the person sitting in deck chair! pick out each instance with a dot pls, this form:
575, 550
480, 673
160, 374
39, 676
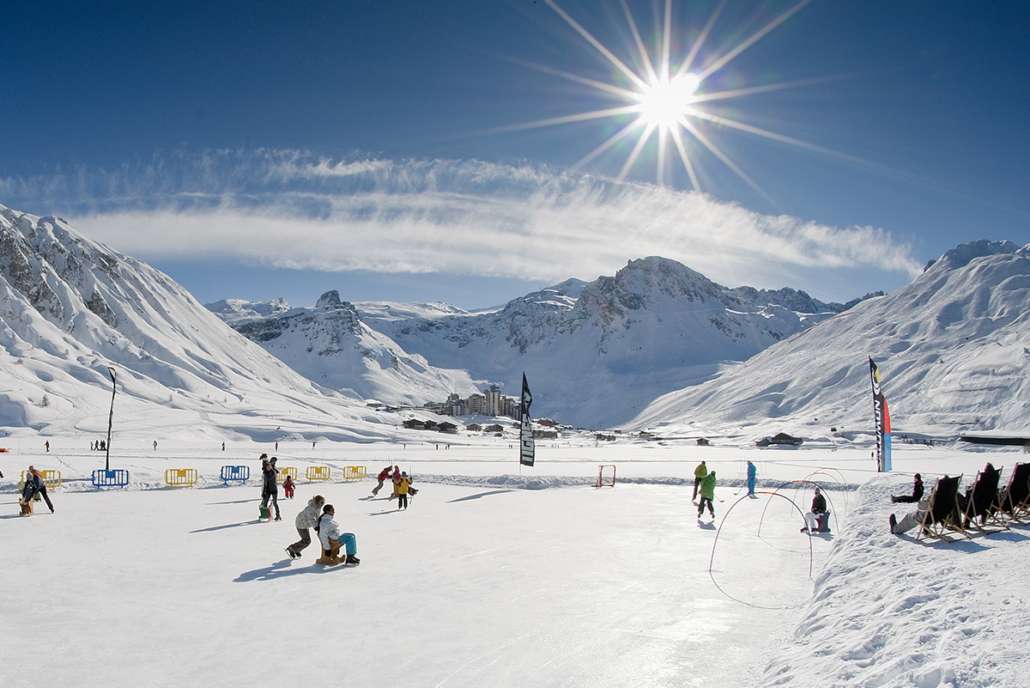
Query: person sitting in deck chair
818, 519
917, 492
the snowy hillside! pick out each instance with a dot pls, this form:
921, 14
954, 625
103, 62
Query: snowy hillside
330, 345
69, 308
597, 353
953, 348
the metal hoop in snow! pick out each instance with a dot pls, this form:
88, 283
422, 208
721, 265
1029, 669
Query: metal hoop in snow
715, 543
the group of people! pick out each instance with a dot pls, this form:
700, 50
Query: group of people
401, 485
816, 520
988, 476
321, 516
97, 445
34, 488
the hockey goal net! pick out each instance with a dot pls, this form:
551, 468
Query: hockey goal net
606, 475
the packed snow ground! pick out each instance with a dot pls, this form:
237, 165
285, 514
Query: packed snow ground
890, 611
468, 587
482, 583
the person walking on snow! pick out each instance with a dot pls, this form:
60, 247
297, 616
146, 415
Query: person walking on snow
288, 487
47, 446
403, 486
752, 475
269, 488
917, 492
383, 476
707, 495
331, 539
307, 518
700, 471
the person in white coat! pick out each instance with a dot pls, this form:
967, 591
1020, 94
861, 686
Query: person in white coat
306, 519
331, 540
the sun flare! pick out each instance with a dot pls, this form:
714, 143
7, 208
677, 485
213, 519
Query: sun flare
665, 99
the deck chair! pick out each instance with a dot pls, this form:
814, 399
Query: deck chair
1014, 500
981, 501
944, 513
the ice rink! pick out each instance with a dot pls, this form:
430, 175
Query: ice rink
469, 587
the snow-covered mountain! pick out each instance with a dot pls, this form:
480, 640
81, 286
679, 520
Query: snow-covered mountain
953, 349
597, 353
330, 345
70, 307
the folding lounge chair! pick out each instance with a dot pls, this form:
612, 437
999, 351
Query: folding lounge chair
982, 501
944, 513
1014, 500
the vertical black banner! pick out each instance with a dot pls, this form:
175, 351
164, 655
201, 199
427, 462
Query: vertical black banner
527, 448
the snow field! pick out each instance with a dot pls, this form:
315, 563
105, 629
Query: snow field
469, 587
889, 611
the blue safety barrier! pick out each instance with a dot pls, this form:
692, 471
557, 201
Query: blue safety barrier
116, 477
240, 474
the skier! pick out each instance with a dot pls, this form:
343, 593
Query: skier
331, 539
816, 519
707, 495
307, 518
752, 474
288, 487
917, 492
269, 489
403, 485
700, 471
383, 476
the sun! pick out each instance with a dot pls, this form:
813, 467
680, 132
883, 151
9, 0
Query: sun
666, 101
665, 98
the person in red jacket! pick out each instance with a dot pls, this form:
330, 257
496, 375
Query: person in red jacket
288, 487
383, 476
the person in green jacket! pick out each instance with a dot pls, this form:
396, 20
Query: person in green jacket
699, 474
707, 495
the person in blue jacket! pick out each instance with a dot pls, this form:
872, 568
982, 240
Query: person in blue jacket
752, 474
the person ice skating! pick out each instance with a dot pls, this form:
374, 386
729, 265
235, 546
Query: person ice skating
383, 476
815, 519
223, 446
917, 492
288, 487
752, 475
403, 486
396, 479
307, 518
269, 488
700, 471
707, 495
155, 445
34, 485
46, 445
331, 539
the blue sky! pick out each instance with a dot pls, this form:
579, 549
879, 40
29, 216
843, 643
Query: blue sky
119, 115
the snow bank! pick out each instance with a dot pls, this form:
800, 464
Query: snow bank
890, 611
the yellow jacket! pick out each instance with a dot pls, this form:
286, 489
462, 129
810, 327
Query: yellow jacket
701, 471
402, 486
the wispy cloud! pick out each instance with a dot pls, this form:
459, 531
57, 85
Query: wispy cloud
298, 210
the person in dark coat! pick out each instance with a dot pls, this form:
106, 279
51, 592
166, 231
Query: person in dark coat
269, 487
815, 520
917, 492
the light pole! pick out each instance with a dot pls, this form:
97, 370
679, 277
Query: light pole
110, 419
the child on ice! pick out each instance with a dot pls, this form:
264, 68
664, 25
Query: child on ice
331, 539
288, 486
403, 486
707, 495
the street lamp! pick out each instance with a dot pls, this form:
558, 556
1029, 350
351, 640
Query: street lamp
110, 419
